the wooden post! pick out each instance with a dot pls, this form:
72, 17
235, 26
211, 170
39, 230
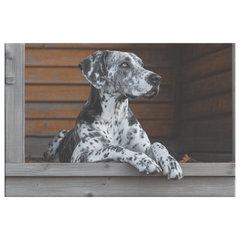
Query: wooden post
15, 102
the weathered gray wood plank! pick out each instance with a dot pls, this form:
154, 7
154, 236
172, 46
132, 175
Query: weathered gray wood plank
119, 187
15, 101
111, 169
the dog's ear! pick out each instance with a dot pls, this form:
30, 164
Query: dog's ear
94, 69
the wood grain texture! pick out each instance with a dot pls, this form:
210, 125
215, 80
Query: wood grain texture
73, 75
71, 110
213, 63
52, 110
111, 169
119, 187
64, 93
211, 135
48, 127
193, 51
71, 57
215, 105
72, 93
101, 46
206, 87
14, 100
54, 75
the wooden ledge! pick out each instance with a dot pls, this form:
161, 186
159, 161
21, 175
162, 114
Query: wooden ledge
116, 180
110, 169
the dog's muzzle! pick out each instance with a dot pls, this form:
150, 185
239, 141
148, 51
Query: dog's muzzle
155, 81
152, 93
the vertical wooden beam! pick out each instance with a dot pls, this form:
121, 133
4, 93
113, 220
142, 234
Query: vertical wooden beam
233, 102
15, 102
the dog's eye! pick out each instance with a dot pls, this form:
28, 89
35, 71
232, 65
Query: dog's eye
124, 65
142, 64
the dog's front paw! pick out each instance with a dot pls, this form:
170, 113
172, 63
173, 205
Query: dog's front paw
171, 167
146, 164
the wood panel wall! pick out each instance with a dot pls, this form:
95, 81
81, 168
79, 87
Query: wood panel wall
206, 102
56, 90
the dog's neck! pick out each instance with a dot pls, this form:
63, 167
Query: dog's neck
105, 104
113, 103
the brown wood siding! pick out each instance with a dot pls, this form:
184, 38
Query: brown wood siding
71, 57
56, 90
210, 64
194, 51
206, 102
207, 107
207, 87
207, 135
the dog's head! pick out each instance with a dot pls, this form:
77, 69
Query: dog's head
122, 72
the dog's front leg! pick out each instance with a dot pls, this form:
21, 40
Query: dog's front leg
170, 166
138, 160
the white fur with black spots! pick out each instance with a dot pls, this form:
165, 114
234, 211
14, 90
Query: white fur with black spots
106, 129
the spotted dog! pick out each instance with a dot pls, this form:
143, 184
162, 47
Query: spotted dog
106, 128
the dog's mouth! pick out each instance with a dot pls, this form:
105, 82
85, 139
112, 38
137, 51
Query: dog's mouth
152, 94
131, 96
149, 95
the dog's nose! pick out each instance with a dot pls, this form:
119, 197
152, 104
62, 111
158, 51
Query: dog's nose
155, 79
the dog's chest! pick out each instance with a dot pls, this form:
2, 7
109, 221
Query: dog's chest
115, 129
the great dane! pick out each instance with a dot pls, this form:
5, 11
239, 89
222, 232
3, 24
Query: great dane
106, 128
